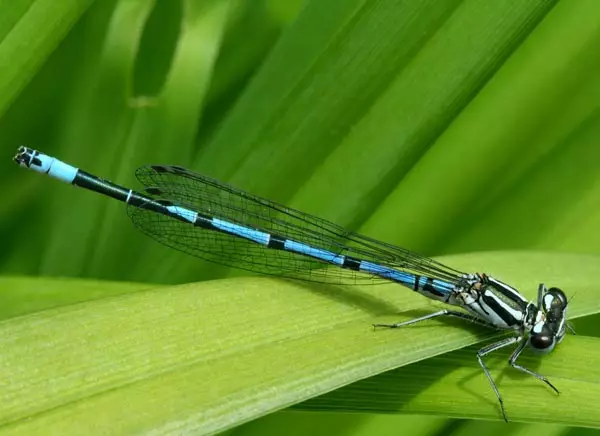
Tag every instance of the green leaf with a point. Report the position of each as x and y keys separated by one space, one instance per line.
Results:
x=323 y=423
x=508 y=127
x=207 y=357
x=453 y=385
x=29 y=31
x=474 y=123
x=23 y=295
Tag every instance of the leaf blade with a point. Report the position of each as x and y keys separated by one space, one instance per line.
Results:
x=221 y=353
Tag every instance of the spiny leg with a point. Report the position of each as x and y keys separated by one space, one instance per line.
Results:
x=513 y=362
x=435 y=315
x=487 y=350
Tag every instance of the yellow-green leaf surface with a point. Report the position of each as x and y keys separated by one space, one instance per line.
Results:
x=206 y=357
x=23 y=295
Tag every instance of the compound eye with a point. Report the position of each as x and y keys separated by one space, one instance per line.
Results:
x=543 y=341
x=555 y=302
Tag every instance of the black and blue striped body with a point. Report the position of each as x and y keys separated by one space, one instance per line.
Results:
x=219 y=223
x=427 y=286
x=224 y=223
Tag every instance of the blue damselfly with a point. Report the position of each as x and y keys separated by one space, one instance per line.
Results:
x=217 y=222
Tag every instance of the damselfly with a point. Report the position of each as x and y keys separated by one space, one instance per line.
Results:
x=211 y=220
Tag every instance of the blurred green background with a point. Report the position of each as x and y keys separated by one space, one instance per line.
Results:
x=442 y=126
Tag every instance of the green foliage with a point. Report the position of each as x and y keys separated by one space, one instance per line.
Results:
x=445 y=127
x=215 y=367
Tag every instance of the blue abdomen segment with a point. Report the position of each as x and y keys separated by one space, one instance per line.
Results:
x=257 y=236
x=401 y=277
x=434 y=288
x=317 y=253
x=429 y=287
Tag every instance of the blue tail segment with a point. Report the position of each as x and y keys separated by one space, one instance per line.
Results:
x=427 y=286
x=257 y=236
x=404 y=278
x=318 y=253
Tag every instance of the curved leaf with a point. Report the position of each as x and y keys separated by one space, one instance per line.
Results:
x=206 y=357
